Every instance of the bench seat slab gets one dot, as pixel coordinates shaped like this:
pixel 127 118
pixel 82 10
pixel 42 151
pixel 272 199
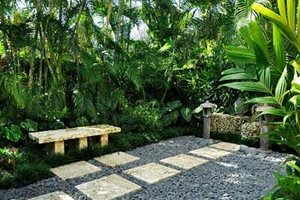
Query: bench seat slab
pixel 73 133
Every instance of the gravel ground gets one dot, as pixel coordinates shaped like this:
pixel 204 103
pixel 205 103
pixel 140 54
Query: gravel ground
pixel 235 176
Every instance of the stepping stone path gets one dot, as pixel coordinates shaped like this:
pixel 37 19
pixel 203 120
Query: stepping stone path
pixel 186 162
pixel 152 172
pixel 209 152
pixel 116 159
pixel 54 196
pixel 75 170
pixel 226 146
pixel 108 187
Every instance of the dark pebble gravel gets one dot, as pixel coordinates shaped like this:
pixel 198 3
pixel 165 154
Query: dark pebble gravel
pixel 235 176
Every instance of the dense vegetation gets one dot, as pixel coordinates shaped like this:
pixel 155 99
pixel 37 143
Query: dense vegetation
pixel 72 63
pixel 141 65
pixel 145 66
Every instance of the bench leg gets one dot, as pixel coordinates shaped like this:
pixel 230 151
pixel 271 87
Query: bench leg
pixel 104 140
pixel 59 147
pixel 82 143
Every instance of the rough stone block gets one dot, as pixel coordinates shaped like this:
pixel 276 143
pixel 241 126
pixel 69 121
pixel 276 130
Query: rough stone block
pixel 152 172
pixel 53 196
pixel 116 159
pixel 108 187
pixel 226 146
pixel 184 161
pixel 210 152
pixel 75 170
pixel 250 129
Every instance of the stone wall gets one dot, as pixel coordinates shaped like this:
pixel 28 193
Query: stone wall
pixel 234 124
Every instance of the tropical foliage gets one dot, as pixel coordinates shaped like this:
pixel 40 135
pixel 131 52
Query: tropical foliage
pixel 268 65
pixel 141 65
pixel 72 63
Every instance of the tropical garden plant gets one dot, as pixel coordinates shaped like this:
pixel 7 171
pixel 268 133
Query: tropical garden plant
pixel 268 65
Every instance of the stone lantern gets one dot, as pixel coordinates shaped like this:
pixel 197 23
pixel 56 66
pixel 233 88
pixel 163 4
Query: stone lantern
pixel 264 128
pixel 207 112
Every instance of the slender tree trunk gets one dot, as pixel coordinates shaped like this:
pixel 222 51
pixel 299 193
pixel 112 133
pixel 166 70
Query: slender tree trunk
pixel 119 19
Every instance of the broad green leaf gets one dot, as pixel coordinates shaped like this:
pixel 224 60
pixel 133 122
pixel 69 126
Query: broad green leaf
pixel 170 118
pixel 286 117
pixel 232 71
pixel 282 9
pixel 246 35
pixel 13 133
pixel 187 114
pixel 173 105
pixel 29 125
pixel 241 55
pixel 238 76
pixel 295 100
pixel 198 110
pixel 265 78
pixel 291 13
pixel 260 44
pixel 262 100
pixel 298 20
pixel 281 87
pixel 274 111
pixel 293 165
pixel 279 49
pixel 296 83
pixel 2 51
pixel 279 21
pixel 248 86
pixel 167 46
pixel 296 65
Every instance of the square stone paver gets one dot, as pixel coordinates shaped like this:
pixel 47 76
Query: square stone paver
pixel 152 172
pixel 77 169
pixel 210 152
pixel 184 161
pixel 108 187
pixel 226 146
pixel 116 159
pixel 53 196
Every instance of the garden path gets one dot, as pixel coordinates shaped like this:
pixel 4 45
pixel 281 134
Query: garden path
pixel 180 168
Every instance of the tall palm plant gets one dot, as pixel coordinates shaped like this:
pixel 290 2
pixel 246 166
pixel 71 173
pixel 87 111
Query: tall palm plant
pixel 265 68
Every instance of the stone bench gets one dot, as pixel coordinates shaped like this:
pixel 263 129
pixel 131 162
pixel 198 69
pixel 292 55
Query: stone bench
pixel 56 138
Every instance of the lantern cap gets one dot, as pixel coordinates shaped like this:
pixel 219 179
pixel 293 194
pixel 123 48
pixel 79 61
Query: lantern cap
pixel 207 105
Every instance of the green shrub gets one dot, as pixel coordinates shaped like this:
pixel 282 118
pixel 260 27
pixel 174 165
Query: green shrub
pixel 235 138
pixel 288 186
pixel 6 179
pixel 27 173
pixel 144 117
